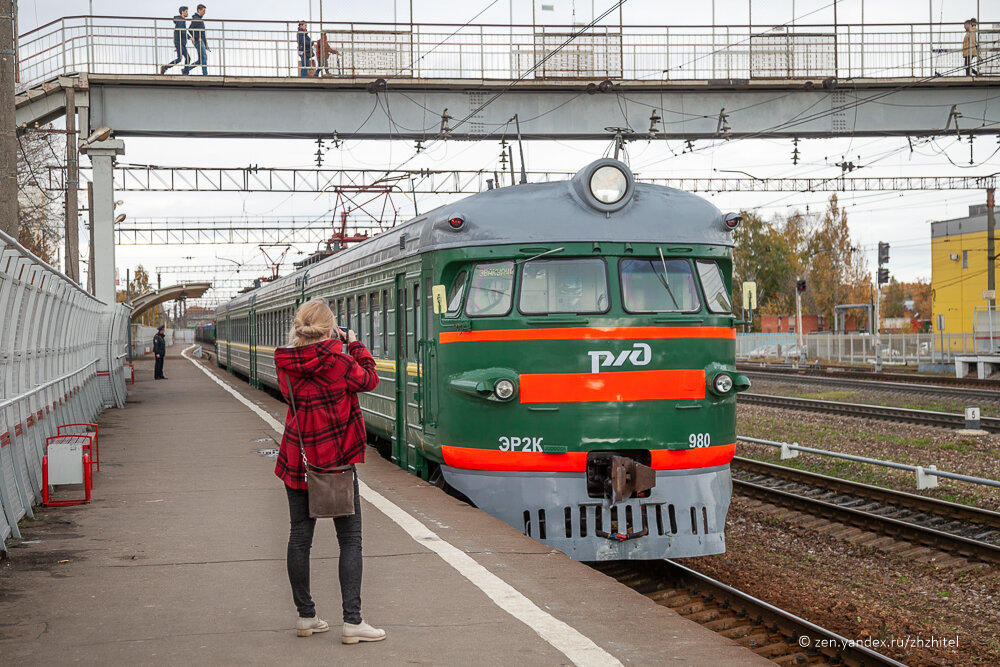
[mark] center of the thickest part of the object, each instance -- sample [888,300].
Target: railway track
[770,632]
[905,415]
[959,530]
[972,394]
[858,374]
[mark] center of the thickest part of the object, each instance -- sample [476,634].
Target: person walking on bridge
[180,40]
[970,46]
[160,350]
[326,374]
[197,31]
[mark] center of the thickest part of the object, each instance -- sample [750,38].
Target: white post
[878,326]
[102,155]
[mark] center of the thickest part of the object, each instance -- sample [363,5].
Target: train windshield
[647,288]
[563,286]
[491,291]
[715,287]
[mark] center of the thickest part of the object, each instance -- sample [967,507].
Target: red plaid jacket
[326,382]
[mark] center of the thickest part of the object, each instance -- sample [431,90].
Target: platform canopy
[180,291]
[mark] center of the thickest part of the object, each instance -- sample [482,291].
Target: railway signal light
[800,286]
[883,276]
[883,253]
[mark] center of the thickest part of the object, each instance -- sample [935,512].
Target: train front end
[585,365]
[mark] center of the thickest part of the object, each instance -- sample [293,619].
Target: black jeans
[158,367]
[182,54]
[300,540]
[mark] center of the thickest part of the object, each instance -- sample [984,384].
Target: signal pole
[799,288]
[881,278]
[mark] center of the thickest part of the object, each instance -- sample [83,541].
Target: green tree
[765,254]
[895,295]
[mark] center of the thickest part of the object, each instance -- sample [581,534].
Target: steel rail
[860,374]
[905,415]
[925,521]
[983,394]
[775,633]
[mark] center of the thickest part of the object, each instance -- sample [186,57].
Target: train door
[229,344]
[252,342]
[399,434]
[427,364]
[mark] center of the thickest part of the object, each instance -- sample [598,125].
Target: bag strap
[298,429]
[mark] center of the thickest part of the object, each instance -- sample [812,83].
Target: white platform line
[579,649]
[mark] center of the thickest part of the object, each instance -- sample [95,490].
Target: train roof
[553,212]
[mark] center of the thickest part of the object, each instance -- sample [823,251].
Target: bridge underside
[191,106]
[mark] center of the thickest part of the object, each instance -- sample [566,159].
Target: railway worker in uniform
[970,46]
[196,29]
[326,374]
[180,40]
[160,350]
[305,49]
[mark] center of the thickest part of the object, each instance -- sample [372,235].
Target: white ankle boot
[306,626]
[362,632]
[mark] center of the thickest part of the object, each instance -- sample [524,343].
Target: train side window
[455,294]
[492,289]
[362,320]
[347,312]
[385,322]
[372,319]
[716,294]
[647,289]
[564,286]
[416,319]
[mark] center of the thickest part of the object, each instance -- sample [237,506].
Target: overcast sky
[899,218]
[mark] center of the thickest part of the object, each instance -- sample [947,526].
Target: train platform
[180,559]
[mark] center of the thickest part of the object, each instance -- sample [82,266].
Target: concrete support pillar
[102,156]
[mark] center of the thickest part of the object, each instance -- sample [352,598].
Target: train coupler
[617,478]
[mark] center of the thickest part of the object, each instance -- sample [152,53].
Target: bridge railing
[61,362]
[240,48]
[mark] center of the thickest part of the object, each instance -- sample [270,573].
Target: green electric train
[561,354]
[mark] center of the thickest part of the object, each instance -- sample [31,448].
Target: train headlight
[504,390]
[608,184]
[723,383]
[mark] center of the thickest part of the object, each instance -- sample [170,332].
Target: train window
[455,294]
[372,306]
[385,322]
[416,319]
[646,289]
[563,286]
[362,305]
[716,294]
[491,290]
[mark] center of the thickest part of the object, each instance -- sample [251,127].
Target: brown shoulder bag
[331,490]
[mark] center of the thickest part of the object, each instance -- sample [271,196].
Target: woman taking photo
[327,368]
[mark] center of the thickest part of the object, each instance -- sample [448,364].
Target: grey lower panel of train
[684,515]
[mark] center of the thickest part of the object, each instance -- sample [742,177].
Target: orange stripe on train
[669,385]
[587,333]
[661,459]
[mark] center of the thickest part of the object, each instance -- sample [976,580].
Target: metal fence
[857,348]
[142,45]
[62,358]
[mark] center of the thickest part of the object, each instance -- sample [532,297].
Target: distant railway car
[205,333]
[562,354]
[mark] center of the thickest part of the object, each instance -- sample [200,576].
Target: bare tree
[40,227]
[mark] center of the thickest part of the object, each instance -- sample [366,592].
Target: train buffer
[180,558]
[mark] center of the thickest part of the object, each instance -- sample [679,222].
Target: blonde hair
[313,323]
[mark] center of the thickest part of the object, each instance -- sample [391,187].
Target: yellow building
[958,270]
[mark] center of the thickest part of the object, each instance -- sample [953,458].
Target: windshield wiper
[663,280]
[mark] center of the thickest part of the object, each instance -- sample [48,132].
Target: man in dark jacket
[305,49]
[180,40]
[160,350]
[197,31]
